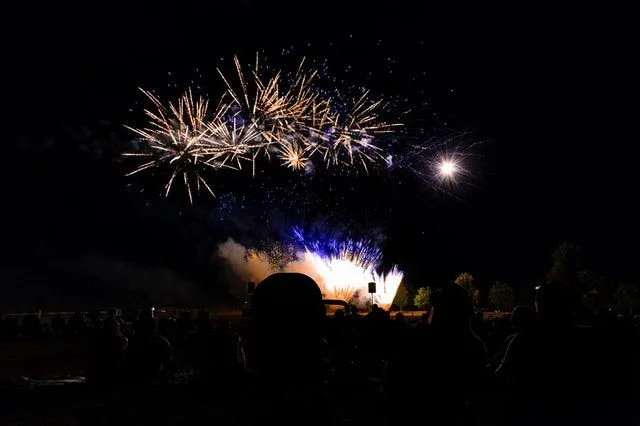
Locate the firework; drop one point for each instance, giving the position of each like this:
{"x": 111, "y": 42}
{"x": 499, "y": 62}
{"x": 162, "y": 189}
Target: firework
{"x": 275, "y": 109}
{"x": 387, "y": 285}
{"x": 263, "y": 117}
{"x": 176, "y": 138}
{"x": 350, "y": 140}
{"x": 292, "y": 155}
{"x": 447, "y": 169}
{"x": 302, "y": 126}
{"x": 344, "y": 268}
{"x": 231, "y": 140}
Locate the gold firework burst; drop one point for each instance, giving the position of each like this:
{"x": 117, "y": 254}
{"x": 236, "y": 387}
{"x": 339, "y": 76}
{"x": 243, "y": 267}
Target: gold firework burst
{"x": 351, "y": 138}
{"x": 292, "y": 155}
{"x": 176, "y": 137}
{"x": 276, "y": 109}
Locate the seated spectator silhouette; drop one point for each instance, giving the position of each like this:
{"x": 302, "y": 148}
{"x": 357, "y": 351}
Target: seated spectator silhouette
{"x": 108, "y": 360}
{"x": 58, "y": 325}
{"x": 288, "y": 315}
{"x": 225, "y": 354}
{"x": 149, "y": 354}
{"x": 77, "y": 323}
{"x": 185, "y": 326}
{"x": 204, "y": 327}
{"x": 167, "y": 328}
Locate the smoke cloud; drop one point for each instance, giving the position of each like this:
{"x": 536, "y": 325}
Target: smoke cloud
{"x": 339, "y": 278}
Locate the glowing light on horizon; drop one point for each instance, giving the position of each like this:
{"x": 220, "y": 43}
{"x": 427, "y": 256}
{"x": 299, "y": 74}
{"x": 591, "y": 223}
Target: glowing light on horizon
{"x": 343, "y": 274}
{"x": 344, "y": 269}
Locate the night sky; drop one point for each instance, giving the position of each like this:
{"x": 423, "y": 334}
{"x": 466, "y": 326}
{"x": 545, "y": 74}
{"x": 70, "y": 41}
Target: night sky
{"x": 546, "y": 92}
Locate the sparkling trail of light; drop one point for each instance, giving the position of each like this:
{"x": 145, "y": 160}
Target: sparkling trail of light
{"x": 345, "y": 268}
{"x": 350, "y": 140}
{"x": 292, "y": 155}
{"x": 273, "y": 108}
{"x": 286, "y": 117}
{"x": 176, "y": 138}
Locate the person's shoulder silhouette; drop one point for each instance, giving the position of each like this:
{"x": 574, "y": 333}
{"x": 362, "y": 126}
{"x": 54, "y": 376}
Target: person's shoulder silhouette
{"x": 288, "y": 314}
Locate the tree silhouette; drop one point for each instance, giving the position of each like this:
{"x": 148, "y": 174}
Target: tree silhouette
{"x": 422, "y": 297}
{"x": 501, "y": 296}
{"x": 404, "y": 295}
{"x": 595, "y": 293}
{"x": 567, "y": 264}
{"x": 627, "y": 299}
{"x": 465, "y": 280}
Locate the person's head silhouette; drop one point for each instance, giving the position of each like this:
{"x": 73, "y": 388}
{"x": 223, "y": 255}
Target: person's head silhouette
{"x": 522, "y": 318}
{"x": 451, "y": 307}
{"x": 554, "y": 303}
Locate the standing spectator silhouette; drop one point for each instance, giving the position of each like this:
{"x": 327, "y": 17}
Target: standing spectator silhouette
{"x": 549, "y": 370}
{"x": 441, "y": 365}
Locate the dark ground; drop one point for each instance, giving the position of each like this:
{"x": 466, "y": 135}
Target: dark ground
{"x": 32, "y": 393}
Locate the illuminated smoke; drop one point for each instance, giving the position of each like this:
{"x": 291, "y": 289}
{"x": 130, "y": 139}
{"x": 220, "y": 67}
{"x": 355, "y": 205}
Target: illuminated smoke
{"x": 344, "y": 275}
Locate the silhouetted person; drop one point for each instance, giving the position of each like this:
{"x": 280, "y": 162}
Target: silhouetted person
{"x": 95, "y": 320}
{"x": 524, "y": 322}
{"x": 556, "y": 372}
{"x": 203, "y": 324}
{"x": 108, "y": 361}
{"x": 225, "y": 355}
{"x": 339, "y": 333}
{"x": 290, "y": 352}
{"x": 149, "y": 354}
{"x": 446, "y": 359}
{"x": 288, "y": 315}
{"x": 58, "y": 325}
{"x": 167, "y": 328}
{"x": 77, "y": 323}
{"x": 185, "y": 325}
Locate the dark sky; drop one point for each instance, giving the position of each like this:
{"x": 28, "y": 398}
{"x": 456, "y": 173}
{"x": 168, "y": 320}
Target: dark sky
{"x": 548, "y": 90}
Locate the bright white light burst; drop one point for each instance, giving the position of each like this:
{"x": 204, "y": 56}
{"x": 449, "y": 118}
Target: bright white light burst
{"x": 447, "y": 168}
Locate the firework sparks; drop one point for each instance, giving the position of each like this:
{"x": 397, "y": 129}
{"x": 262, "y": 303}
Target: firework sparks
{"x": 273, "y": 108}
{"x": 350, "y": 139}
{"x": 345, "y": 268}
{"x": 342, "y": 269}
{"x": 263, "y": 117}
{"x": 292, "y": 155}
{"x": 230, "y": 141}
{"x": 176, "y": 138}
{"x": 447, "y": 169}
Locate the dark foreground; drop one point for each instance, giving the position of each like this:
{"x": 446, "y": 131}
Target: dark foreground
{"x": 375, "y": 369}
